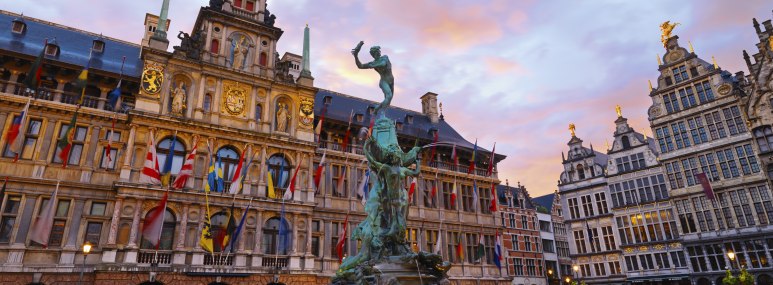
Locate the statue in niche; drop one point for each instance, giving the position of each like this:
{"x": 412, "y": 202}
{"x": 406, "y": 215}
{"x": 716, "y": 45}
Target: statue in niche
{"x": 239, "y": 53}
{"x": 282, "y": 117}
{"x": 178, "y": 100}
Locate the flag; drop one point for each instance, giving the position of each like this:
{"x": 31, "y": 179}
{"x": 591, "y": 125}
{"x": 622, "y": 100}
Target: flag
{"x": 150, "y": 173}
{"x": 109, "y": 147}
{"x": 459, "y": 249}
{"x": 493, "y": 207}
{"x": 166, "y": 172}
{"x": 283, "y": 232}
{"x": 239, "y": 228}
{"x": 342, "y": 240}
{"x": 498, "y": 251}
{"x": 205, "y": 241}
{"x": 112, "y": 97}
{"x": 345, "y": 143}
{"x": 704, "y": 181}
{"x": 230, "y": 228}
{"x": 186, "y": 171}
{"x": 318, "y": 171}
{"x": 270, "y": 185}
{"x": 211, "y": 173}
{"x": 481, "y": 249}
{"x": 41, "y": 229}
{"x": 370, "y": 127}
{"x": 590, "y": 235}
{"x": 438, "y": 245}
{"x": 363, "y": 188}
{"x": 472, "y": 159}
{"x": 453, "y": 196}
{"x": 491, "y": 161}
{"x": 82, "y": 81}
{"x": 154, "y": 223}
{"x": 65, "y": 142}
{"x": 341, "y": 185}
{"x": 475, "y": 195}
{"x": 318, "y": 128}
{"x": 433, "y": 192}
{"x": 411, "y": 189}
{"x": 236, "y": 181}
{"x": 291, "y": 189}
{"x": 14, "y": 139}
{"x": 32, "y": 80}
{"x": 219, "y": 172}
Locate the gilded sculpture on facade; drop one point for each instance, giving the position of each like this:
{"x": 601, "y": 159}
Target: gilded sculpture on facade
{"x": 234, "y": 98}
{"x": 666, "y": 28}
{"x": 239, "y": 53}
{"x": 152, "y": 78}
{"x": 179, "y": 99}
{"x": 306, "y": 113}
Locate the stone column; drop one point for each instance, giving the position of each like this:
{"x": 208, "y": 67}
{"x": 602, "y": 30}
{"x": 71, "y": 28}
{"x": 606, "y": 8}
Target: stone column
{"x": 183, "y": 229}
{"x": 135, "y": 224}
{"x": 113, "y": 234}
{"x": 203, "y": 219}
{"x": 126, "y": 169}
{"x": 11, "y": 86}
{"x": 59, "y": 89}
{"x": 294, "y": 248}
{"x": 3, "y": 117}
{"x": 258, "y": 248}
{"x": 297, "y": 194}
{"x": 308, "y": 235}
{"x": 102, "y": 97}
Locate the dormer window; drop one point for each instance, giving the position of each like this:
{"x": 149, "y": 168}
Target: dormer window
{"x": 358, "y": 117}
{"x": 399, "y": 126}
{"x": 18, "y": 26}
{"x": 52, "y": 49}
{"x": 98, "y": 46}
{"x": 371, "y": 110}
{"x": 408, "y": 119}
{"x": 327, "y": 100}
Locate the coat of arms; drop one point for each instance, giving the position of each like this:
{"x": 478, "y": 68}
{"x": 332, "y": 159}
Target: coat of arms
{"x": 152, "y": 78}
{"x": 234, "y": 98}
{"x": 306, "y": 113}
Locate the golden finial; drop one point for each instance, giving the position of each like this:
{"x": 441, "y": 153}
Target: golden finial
{"x": 608, "y": 149}
{"x": 619, "y": 111}
{"x": 666, "y": 28}
{"x": 645, "y": 136}
{"x": 714, "y": 60}
{"x": 571, "y": 128}
{"x": 650, "y": 84}
{"x": 692, "y": 50}
{"x": 659, "y": 62}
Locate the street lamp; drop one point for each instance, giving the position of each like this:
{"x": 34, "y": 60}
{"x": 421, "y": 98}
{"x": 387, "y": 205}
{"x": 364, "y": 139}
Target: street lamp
{"x": 550, "y": 274}
{"x": 86, "y": 251}
{"x": 568, "y": 280}
{"x": 576, "y": 269}
{"x": 731, "y": 256}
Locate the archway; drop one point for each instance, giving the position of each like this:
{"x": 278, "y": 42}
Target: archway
{"x": 167, "y": 232}
{"x": 276, "y": 236}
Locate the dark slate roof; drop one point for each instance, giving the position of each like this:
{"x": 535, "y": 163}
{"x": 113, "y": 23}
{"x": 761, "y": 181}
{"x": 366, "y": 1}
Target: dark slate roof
{"x": 545, "y": 201}
{"x": 341, "y": 106}
{"x": 74, "y": 45}
{"x": 503, "y": 189}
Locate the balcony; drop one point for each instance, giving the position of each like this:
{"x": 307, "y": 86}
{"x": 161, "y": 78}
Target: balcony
{"x": 218, "y": 259}
{"x": 274, "y": 262}
{"x": 154, "y": 257}
{"x": 55, "y": 95}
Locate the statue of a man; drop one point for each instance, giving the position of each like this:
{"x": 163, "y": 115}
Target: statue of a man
{"x": 178, "y": 100}
{"x": 281, "y": 118}
{"x": 384, "y": 68}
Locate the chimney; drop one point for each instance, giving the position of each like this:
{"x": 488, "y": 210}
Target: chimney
{"x": 429, "y": 106}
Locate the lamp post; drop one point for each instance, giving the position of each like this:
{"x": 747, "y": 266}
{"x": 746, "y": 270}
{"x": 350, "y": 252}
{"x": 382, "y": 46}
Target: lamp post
{"x": 568, "y": 280}
{"x": 576, "y": 269}
{"x": 731, "y": 256}
{"x": 550, "y": 275}
{"x": 86, "y": 250}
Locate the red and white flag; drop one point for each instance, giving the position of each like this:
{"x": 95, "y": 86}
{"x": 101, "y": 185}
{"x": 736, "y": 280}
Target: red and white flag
{"x": 186, "y": 171}
{"x": 291, "y": 189}
{"x": 109, "y": 147}
{"x": 236, "y": 181}
{"x": 41, "y": 229}
{"x": 454, "y": 157}
{"x": 453, "y": 195}
{"x": 493, "y": 206}
{"x": 342, "y": 240}
{"x": 151, "y": 229}
{"x": 150, "y": 173}
{"x": 341, "y": 187}
{"x": 411, "y": 189}
{"x": 14, "y": 135}
{"x": 318, "y": 171}
{"x": 491, "y": 161}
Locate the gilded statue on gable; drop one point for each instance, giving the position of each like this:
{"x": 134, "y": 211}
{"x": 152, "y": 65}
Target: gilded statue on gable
{"x": 666, "y": 28}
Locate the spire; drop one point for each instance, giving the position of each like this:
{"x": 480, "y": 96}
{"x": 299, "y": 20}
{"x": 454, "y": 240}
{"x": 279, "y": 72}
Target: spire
{"x": 650, "y": 84}
{"x": 161, "y": 27}
{"x": 692, "y": 50}
{"x": 714, "y": 60}
{"x": 305, "y": 77}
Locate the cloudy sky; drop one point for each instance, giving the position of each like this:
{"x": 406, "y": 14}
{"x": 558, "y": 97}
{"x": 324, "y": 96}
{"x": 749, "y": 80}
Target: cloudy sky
{"x": 511, "y": 72}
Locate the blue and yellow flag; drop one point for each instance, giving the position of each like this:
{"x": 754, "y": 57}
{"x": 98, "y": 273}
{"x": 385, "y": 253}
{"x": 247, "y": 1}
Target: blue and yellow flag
{"x": 220, "y": 181}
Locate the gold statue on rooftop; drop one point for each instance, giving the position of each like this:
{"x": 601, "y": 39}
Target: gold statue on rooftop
{"x": 666, "y": 28}
{"x": 619, "y": 111}
{"x": 571, "y": 128}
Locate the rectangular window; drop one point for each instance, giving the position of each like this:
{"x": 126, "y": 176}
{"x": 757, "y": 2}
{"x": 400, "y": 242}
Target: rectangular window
{"x": 587, "y": 206}
{"x": 484, "y": 194}
{"x": 8, "y": 219}
{"x": 468, "y": 205}
{"x": 471, "y": 249}
{"x": 579, "y": 242}
{"x": 672, "y": 104}
{"x": 93, "y": 233}
{"x": 447, "y": 196}
{"x": 340, "y": 180}
{"x": 601, "y": 203}
{"x": 680, "y": 135}
{"x": 30, "y": 140}
{"x": 97, "y": 209}
{"x": 664, "y": 139}
{"x": 548, "y": 246}
{"x": 687, "y": 97}
{"x": 78, "y": 140}
{"x": 609, "y": 238}
{"x": 715, "y": 125}
{"x": 432, "y": 240}
{"x": 680, "y": 73}
{"x": 109, "y": 162}
{"x": 574, "y": 208}
{"x": 733, "y": 120}
{"x": 518, "y": 264}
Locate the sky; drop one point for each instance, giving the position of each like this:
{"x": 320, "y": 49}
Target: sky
{"x": 511, "y": 72}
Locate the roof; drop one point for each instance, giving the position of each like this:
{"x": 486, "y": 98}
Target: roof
{"x": 341, "y": 106}
{"x": 503, "y": 189}
{"x": 74, "y": 45}
{"x": 545, "y": 201}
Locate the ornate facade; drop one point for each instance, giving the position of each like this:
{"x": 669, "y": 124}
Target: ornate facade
{"x": 521, "y": 236}
{"x": 224, "y": 90}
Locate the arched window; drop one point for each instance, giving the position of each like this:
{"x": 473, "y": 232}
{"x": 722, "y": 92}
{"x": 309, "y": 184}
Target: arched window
{"x": 626, "y": 142}
{"x": 167, "y": 232}
{"x": 214, "y": 46}
{"x": 228, "y": 159}
{"x": 258, "y": 112}
{"x": 581, "y": 171}
{"x": 178, "y": 156}
{"x": 764, "y": 136}
{"x": 263, "y": 59}
{"x": 276, "y": 237}
{"x": 207, "y": 104}
{"x": 218, "y": 230}
{"x": 280, "y": 170}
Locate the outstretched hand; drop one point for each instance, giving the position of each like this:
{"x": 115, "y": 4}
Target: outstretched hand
{"x": 356, "y": 50}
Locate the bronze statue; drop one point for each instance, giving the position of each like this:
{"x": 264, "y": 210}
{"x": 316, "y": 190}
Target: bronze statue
{"x": 384, "y": 68}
